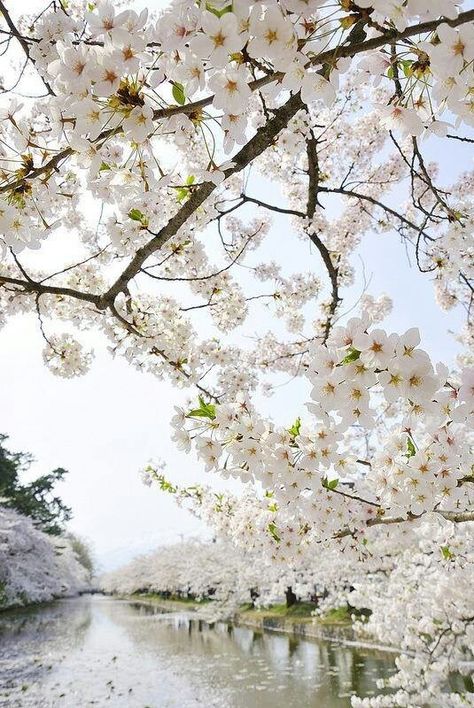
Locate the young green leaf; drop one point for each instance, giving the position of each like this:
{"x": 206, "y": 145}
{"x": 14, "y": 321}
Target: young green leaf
{"x": 205, "y": 410}
{"x": 330, "y": 484}
{"x": 137, "y": 215}
{"x": 295, "y": 428}
{"x": 447, "y": 553}
{"x": 411, "y": 449}
{"x": 215, "y": 11}
{"x": 352, "y": 355}
{"x": 273, "y": 531}
{"x": 178, "y": 93}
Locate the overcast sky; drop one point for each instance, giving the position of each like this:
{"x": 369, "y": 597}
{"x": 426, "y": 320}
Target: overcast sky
{"x": 103, "y": 427}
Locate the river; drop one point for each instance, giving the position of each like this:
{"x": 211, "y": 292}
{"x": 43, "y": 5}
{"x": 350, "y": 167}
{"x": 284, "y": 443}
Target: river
{"x": 98, "y": 651}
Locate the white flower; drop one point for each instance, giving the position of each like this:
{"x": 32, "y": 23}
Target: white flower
{"x": 190, "y": 72}
{"x": 456, "y": 47}
{"x": 466, "y": 390}
{"x": 433, "y": 9}
{"x": 8, "y": 111}
{"x": 75, "y": 68}
{"x": 376, "y": 348}
{"x": 105, "y": 20}
{"x": 304, "y": 8}
{"x": 273, "y": 36}
{"x": 419, "y": 383}
{"x": 406, "y": 120}
{"x": 315, "y": 87}
{"x": 139, "y": 124}
{"x": 107, "y": 76}
{"x": 231, "y": 91}
{"x": 89, "y": 118}
{"x": 220, "y": 37}
{"x": 234, "y": 127}
{"x": 66, "y": 357}
{"x": 131, "y": 54}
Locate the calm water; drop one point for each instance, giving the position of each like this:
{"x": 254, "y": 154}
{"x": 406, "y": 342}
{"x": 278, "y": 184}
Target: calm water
{"x": 96, "y": 651}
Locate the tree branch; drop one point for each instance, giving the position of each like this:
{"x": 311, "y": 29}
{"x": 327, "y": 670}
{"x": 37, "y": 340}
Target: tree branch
{"x": 24, "y": 44}
{"x": 313, "y": 190}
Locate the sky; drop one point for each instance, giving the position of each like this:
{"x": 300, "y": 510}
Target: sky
{"x": 107, "y": 425}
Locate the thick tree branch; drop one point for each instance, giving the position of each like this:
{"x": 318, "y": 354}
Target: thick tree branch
{"x": 255, "y": 147}
{"x": 31, "y": 286}
{"x": 457, "y": 517}
{"x": 313, "y": 190}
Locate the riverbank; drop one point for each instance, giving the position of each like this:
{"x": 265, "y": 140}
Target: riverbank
{"x": 298, "y": 620}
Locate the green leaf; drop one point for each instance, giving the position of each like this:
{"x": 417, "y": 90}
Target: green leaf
{"x": 272, "y": 528}
{"x": 447, "y": 553}
{"x": 353, "y": 355}
{"x": 137, "y": 215}
{"x": 411, "y": 449}
{"x": 165, "y": 485}
{"x": 178, "y": 93}
{"x": 184, "y": 192}
{"x": 295, "y": 428}
{"x": 216, "y": 12}
{"x": 197, "y": 413}
{"x": 390, "y": 72}
{"x": 205, "y": 410}
{"x": 330, "y": 484}
{"x": 104, "y": 166}
{"x": 407, "y": 67}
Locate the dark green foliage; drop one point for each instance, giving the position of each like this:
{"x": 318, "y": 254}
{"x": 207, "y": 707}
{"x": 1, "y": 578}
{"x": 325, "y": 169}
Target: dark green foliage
{"x": 35, "y": 499}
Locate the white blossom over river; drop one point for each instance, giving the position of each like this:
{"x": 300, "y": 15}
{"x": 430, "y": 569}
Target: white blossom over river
{"x": 98, "y": 651}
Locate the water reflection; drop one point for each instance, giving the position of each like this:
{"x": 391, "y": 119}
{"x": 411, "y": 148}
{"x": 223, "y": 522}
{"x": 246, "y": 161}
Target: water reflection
{"x": 103, "y": 652}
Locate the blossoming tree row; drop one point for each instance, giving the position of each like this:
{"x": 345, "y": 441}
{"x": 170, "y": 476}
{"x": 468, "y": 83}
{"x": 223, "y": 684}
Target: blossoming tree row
{"x": 404, "y": 593}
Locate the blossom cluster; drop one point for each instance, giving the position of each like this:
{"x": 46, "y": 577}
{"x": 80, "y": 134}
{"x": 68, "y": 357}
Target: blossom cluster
{"x": 119, "y": 74}
{"x": 218, "y": 48}
{"x": 370, "y": 391}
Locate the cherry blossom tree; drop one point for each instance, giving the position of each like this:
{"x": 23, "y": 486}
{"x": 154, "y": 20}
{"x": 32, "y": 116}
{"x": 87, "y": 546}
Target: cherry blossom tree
{"x": 219, "y": 571}
{"x": 130, "y": 145}
{"x": 36, "y": 566}
{"x": 191, "y": 570}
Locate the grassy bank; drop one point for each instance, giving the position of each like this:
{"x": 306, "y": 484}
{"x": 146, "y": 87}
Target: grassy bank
{"x": 298, "y": 614}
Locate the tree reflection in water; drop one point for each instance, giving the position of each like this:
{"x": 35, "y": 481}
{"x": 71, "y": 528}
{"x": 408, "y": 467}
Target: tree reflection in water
{"x": 99, "y": 651}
